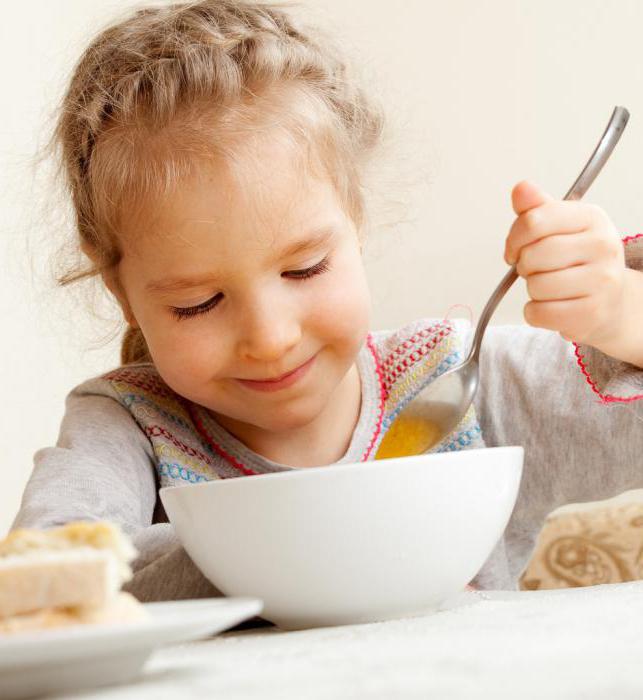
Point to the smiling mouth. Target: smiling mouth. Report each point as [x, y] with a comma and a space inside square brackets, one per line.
[277, 379]
[281, 382]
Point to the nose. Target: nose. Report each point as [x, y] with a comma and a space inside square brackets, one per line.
[268, 331]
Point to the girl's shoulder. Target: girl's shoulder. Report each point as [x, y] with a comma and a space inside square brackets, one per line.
[180, 453]
[127, 383]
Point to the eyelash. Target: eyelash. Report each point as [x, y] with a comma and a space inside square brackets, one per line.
[182, 313]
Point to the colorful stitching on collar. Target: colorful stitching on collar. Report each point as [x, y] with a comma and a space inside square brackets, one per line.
[415, 356]
[219, 450]
[434, 333]
[142, 380]
[158, 430]
[382, 397]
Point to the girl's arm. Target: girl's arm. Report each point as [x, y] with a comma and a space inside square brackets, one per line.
[574, 406]
[102, 467]
[577, 448]
[163, 570]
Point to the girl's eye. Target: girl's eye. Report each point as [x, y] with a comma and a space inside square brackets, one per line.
[186, 312]
[208, 305]
[318, 269]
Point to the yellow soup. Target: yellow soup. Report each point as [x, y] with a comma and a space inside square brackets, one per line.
[408, 435]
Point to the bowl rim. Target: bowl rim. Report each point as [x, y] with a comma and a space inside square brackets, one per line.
[354, 467]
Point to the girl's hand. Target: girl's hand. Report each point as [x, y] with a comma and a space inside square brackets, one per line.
[573, 261]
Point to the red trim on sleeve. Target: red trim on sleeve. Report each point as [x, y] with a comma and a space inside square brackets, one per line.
[605, 398]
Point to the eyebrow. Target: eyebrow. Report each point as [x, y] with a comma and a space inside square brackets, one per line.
[316, 239]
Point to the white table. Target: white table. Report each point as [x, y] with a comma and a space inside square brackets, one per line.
[583, 643]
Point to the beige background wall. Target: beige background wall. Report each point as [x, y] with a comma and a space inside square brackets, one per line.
[480, 95]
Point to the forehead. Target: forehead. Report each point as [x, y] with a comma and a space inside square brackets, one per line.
[264, 198]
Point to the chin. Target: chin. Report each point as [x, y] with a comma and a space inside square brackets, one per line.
[285, 418]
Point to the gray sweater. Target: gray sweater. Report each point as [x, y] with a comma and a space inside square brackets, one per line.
[125, 434]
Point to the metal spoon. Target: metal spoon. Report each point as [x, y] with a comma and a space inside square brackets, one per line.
[445, 401]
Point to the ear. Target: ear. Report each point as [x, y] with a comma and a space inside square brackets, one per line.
[112, 282]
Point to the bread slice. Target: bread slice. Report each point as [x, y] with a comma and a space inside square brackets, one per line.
[61, 578]
[122, 608]
[65, 575]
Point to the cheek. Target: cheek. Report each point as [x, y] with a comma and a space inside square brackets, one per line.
[187, 352]
[341, 309]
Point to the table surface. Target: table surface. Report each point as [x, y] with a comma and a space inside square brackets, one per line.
[573, 643]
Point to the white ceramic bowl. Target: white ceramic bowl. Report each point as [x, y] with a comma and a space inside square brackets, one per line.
[350, 543]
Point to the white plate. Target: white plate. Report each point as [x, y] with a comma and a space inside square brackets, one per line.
[91, 655]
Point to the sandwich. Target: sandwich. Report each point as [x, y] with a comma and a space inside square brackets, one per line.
[66, 575]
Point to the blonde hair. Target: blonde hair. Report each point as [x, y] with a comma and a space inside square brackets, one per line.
[169, 86]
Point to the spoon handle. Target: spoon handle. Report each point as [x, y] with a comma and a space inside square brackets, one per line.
[594, 165]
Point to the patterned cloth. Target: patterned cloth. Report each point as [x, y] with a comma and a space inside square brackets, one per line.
[190, 446]
[588, 547]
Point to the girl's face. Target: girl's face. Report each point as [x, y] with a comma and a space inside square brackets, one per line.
[235, 286]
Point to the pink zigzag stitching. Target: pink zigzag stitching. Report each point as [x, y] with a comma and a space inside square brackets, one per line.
[386, 382]
[141, 379]
[217, 448]
[382, 398]
[415, 356]
[605, 398]
[154, 385]
[436, 332]
[396, 355]
[160, 431]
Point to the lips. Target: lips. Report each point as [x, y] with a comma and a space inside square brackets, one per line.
[277, 379]
[281, 382]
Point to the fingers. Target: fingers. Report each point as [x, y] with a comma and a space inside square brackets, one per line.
[571, 283]
[551, 218]
[527, 195]
[555, 253]
[572, 259]
[568, 316]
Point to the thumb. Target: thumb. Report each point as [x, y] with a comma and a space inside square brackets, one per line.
[527, 195]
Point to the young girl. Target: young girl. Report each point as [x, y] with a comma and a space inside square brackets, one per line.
[214, 153]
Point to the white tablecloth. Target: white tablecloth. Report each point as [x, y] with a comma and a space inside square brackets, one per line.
[581, 643]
